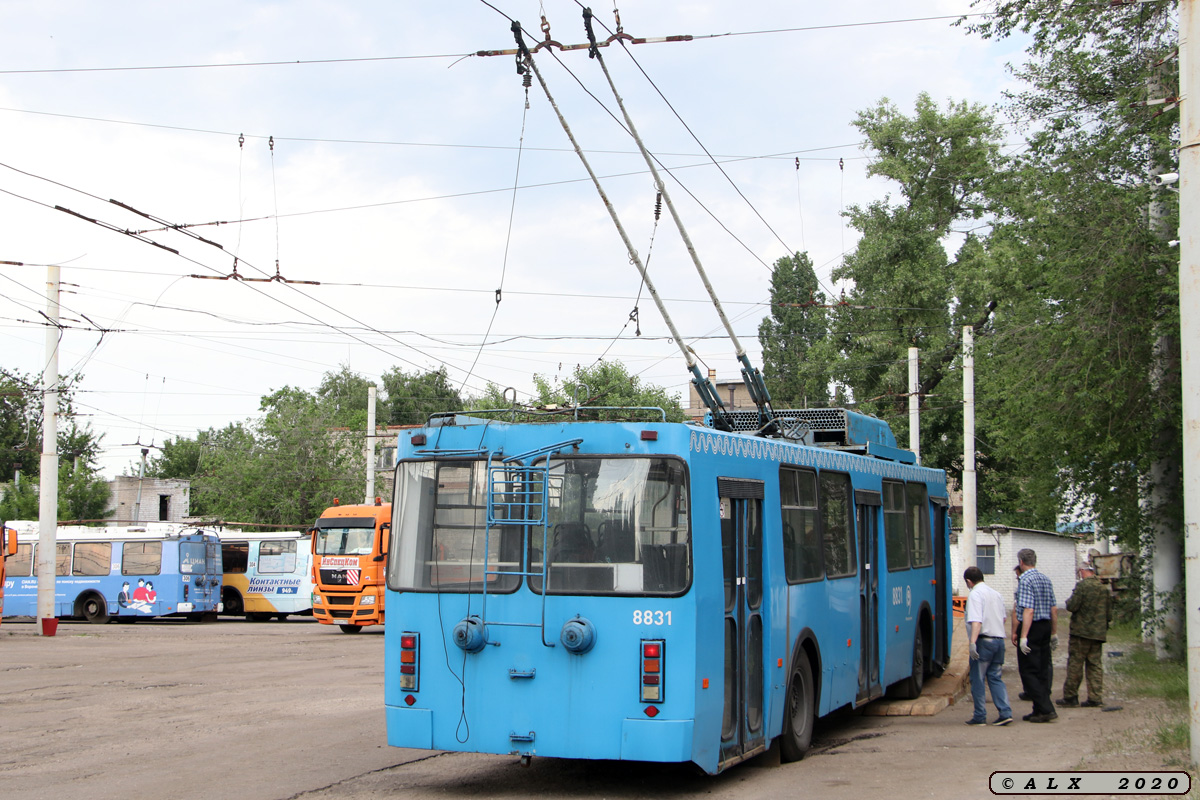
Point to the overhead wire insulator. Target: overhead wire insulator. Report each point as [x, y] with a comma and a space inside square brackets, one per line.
[241, 140]
[658, 206]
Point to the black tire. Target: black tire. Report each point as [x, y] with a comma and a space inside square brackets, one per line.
[94, 608]
[912, 686]
[351, 628]
[800, 713]
[232, 602]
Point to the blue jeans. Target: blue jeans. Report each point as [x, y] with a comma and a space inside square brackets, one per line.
[987, 669]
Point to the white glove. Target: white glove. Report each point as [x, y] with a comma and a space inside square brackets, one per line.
[1054, 642]
[974, 651]
[1024, 645]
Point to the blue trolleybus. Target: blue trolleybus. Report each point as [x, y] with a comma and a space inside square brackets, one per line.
[122, 573]
[657, 591]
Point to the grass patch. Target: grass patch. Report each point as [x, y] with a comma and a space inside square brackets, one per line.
[1141, 674]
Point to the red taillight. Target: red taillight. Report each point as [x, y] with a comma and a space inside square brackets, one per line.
[409, 659]
[651, 673]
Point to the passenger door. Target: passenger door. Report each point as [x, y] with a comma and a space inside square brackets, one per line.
[742, 726]
[867, 505]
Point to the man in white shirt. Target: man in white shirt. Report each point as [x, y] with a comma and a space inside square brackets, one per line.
[985, 636]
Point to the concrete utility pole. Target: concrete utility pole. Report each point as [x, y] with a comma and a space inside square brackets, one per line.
[137, 504]
[914, 403]
[370, 446]
[48, 480]
[1189, 335]
[966, 542]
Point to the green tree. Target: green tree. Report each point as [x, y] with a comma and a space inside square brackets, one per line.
[411, 398]
[794, 337]
[605, 383]
[83, 493]
[20, 501]
[1087, 388]
[343, 396]
[919, 272]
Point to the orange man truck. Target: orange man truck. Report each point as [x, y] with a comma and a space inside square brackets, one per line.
[349, 546]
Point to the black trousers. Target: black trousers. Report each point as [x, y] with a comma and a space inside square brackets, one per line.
[1036, 668]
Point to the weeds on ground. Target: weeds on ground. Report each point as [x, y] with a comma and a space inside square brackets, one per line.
[1141, 674]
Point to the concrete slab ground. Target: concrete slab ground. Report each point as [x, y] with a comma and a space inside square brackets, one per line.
[939, 693]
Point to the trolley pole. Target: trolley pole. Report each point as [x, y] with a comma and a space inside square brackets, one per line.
[914, 403]
[966, 542]
[48, 480]
[1189, 335]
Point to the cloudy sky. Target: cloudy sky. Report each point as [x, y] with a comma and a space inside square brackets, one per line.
[367, 147]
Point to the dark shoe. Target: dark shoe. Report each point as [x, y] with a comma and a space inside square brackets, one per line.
[1044, 717]
[1091, 704]
[1068, 702]
[1029, 716]
[1002, 722]
[975, 722]
[1024, 696]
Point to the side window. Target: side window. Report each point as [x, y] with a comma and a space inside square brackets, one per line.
[92, 558]
[236, 556]
[895, 526]
[801, 533]
[918, 524]
[985, 558]
[21, 565]
[141, 558]
[62, 558]
[837, 524]
[276, 558]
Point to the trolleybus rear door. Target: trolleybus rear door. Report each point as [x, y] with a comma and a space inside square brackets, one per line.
[742, 729]
[867, 505]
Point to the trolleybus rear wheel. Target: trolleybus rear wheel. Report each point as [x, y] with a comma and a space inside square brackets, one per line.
[351, 628]
[798, 723]
[95, 609]
[232, 600]
[916, 682]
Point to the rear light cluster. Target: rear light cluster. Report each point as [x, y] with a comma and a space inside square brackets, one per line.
[410, 648]
[653, 656]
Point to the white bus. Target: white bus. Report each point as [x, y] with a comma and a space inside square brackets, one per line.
[267, 575]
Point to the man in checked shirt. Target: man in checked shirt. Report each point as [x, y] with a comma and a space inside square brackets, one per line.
[1036, 636]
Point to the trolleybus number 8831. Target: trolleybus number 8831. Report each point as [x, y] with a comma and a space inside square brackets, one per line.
[651, 617]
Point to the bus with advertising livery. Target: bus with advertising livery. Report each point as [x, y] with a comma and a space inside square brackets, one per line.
[267, 575]
[657, 591]
[122, 573]
[349, 556]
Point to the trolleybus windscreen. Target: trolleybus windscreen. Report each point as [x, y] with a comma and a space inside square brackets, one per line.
[608, 526]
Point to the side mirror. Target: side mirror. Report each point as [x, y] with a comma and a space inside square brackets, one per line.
[10, 542]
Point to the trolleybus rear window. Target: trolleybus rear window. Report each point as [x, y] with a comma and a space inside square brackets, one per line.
[615, 526]
[607, 525]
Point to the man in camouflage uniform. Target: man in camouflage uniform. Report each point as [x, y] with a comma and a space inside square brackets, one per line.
[1091, 612]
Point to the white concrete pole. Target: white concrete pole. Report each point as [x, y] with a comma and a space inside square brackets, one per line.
[914, 403]
[1189, 335]
[370, 446]
[48, 480]
[966, 542]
